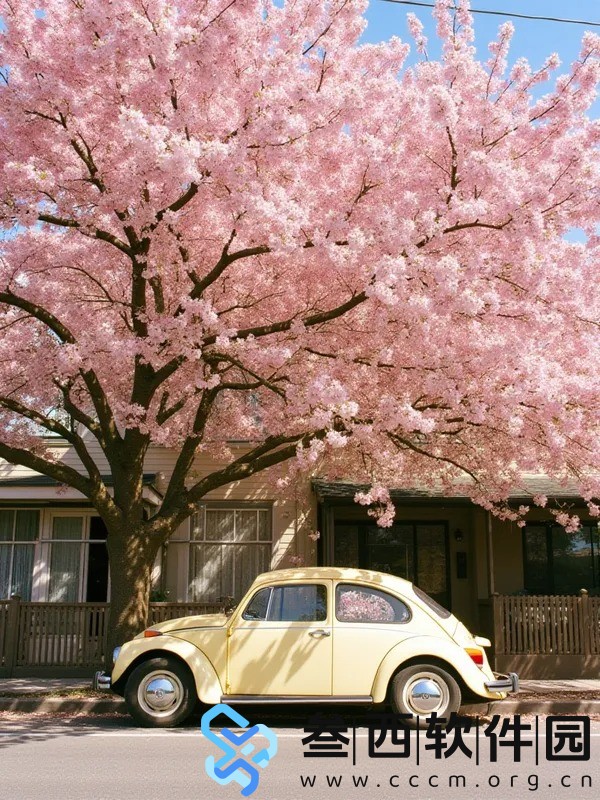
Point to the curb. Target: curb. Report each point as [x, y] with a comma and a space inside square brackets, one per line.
[507, 708]
[55, 705]
[101, 705]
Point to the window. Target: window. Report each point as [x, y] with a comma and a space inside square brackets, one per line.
[297, 603]
[361, 604]
[228, 548]
[258, 606]
[75, 558]
[557, 562]
[65, 559]
[18, 534]
[430, 603]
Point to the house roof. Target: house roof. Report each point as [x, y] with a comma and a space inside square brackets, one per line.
[532, 484]
[46, 480]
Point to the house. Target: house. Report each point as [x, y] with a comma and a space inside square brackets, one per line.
[52, 551]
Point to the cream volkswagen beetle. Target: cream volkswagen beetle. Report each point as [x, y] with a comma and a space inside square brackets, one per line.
[315, 635]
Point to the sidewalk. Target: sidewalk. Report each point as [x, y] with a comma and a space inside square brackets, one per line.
[72, 695]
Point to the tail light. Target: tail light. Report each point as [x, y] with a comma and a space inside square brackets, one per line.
[475, 654]
[150, 632]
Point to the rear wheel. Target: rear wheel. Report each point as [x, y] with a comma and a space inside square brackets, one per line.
[160, 693]
[422, 689]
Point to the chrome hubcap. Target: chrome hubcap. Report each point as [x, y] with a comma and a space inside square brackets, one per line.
[160, 693]
[425, 693]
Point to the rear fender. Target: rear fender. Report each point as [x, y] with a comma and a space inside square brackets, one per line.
[428, 648]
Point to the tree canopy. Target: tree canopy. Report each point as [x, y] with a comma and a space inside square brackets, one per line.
[231, 220]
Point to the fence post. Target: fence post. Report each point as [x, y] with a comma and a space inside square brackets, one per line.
[585, 622]
[498, 626]
[12, 633]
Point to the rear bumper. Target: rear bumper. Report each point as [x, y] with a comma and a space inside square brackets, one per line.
[101, 681]
[504, 683]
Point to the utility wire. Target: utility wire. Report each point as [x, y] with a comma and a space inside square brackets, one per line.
[499, 13]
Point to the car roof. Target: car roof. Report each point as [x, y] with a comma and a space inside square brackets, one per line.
[334, 573]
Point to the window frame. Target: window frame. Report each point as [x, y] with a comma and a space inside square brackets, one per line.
[33, 543]
[364, 586]
[46, 541]
[233, 506]
[324, 584]
[548, 526]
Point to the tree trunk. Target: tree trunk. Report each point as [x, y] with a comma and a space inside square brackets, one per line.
[131, 553]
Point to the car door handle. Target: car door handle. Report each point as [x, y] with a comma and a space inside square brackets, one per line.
[319, 634]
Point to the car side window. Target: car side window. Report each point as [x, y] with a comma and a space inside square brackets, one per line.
[258, 606]
[298, 603]
[362, 604]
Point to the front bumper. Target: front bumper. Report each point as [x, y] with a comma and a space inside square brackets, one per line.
[504, 683]
[101, 681]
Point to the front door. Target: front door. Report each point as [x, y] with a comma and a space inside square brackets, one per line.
[282, 643]
[416, 551]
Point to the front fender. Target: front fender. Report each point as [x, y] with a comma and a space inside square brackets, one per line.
[427, 647]
[208, 686]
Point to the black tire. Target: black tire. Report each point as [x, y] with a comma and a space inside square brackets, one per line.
[160, 692]
[421, 689]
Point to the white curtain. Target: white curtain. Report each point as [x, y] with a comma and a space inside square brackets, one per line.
[65, 559]
[18, 532]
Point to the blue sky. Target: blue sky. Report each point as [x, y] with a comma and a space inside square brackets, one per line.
[534, 40]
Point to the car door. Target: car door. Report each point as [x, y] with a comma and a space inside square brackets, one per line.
[367, 623]
[281, 642]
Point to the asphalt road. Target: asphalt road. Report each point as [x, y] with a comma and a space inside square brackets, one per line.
[107, 758]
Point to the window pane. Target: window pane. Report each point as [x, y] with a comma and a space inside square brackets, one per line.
[7, 521]
[250, 561]
[67, 528]
[537, 577]
[22, 570]
[205, 573]
[306, 603]
[345, 546]
[27, 525]
[257, 607]
[5, 553]
[64, 571]
[392, 550]
[359, 604]
[572, 557]
[219, 525]
[246, 526]
[431, 561]
[264, 527]
[197, 525]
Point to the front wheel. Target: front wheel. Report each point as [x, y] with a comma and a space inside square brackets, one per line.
[160, 693]
[422, 689]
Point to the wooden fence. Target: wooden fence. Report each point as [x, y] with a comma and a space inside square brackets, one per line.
[66, 638]
[547, 636]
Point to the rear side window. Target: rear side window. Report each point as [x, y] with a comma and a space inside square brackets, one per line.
[362, 604]
[431, 603]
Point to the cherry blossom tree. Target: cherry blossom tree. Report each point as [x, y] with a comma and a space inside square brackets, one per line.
[228, 220]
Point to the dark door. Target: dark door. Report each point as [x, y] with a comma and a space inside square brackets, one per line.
[97, 575]
[417, 551]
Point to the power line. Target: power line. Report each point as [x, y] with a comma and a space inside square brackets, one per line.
[500, 13]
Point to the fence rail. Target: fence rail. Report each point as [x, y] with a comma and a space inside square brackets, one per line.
[547, 625]
[67, 635]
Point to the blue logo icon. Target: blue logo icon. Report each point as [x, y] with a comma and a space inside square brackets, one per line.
[232, 766]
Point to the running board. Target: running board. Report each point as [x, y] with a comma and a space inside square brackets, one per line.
[230, 699]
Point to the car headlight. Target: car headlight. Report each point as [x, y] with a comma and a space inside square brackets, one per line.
[115, 654]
